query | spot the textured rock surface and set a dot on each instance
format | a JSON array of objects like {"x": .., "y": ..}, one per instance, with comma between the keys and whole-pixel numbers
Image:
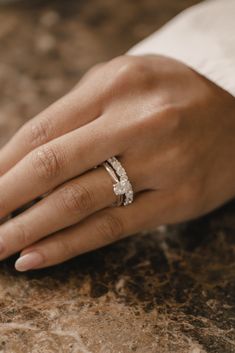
[{"x": 169, "y": 291}]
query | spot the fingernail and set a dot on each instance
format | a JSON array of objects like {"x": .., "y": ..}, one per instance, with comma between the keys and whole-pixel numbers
[{"x": 28, "y": 261}]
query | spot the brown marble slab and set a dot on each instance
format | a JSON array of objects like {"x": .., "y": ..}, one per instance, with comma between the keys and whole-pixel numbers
[{"x": 168, "y": 291}]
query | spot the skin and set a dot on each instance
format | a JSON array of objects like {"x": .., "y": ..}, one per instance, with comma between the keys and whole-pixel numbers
[{"x": 172, "y": 130}]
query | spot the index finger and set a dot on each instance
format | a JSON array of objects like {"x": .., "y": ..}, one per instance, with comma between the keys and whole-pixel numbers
[{"x": 78, "y": 107}]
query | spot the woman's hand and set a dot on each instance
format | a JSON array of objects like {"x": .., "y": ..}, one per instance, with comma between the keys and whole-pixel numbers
[{"x": 172, "y": 130}]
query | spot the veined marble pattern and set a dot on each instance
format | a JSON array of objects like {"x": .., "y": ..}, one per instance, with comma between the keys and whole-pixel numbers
[{"x": 171, "y": 291}]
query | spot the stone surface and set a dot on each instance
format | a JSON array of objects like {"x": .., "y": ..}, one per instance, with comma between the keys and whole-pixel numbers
[{"x": 171, "y": 290}]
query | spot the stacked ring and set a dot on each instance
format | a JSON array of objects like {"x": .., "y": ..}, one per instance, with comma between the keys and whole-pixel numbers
[{"x": 122, "y": 186}]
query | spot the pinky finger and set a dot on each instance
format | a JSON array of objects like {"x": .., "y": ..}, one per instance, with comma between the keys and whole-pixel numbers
[{"x": 98, "y": 230}]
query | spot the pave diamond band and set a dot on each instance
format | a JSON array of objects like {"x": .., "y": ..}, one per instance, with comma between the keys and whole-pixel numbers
[
  {"x": 122, "y": 187},
  {"x": 113, "y": 175}
]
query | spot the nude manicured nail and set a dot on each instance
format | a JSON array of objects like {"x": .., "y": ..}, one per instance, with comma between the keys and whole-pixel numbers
[{"x": 29, "y": 261}]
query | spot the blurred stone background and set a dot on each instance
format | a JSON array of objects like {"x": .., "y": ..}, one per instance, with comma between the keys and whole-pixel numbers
[
  {"x": 166, "y": 292},
  {"x": 46, "y": 46}
]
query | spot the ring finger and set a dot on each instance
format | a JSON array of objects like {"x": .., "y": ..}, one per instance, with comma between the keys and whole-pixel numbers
[{"x": 65, "y": 206}]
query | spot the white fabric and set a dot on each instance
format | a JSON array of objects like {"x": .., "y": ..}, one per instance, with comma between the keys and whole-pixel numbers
[{"x": 203, "y": 37}]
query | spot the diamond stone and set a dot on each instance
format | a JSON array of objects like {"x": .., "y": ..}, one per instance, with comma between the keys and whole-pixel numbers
[{"x": 122, "y": 187}]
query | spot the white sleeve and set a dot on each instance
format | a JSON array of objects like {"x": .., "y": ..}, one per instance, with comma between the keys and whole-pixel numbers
[{"x": 202, "y": 37}]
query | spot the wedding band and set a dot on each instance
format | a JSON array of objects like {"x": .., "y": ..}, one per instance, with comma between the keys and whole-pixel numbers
[
  {"x": 111, "y": 172},
  {"x": 122, "y": 187}
]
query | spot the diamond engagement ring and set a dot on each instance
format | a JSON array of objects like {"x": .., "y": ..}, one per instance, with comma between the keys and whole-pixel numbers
[{"x": 122, "y": 186}]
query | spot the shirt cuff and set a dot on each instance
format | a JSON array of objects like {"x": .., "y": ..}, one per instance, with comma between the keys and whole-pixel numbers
[{"x": 202, "y": 37}]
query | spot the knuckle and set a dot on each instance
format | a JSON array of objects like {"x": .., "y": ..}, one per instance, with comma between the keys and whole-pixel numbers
[
  {"x": 66, "y": 248},
  {"x": 130, "y": 69},
  {"x": 3, "y": 209},
  {"x": 76, "y": 198},
  {"x": 96, "y": 68},
  {"x": 177, "y": 118},
  {"x": 126, "y": 61},
  {"x": 21, "y": 233},
  {"x": 110, "y": 228},
  {"x": 172, "y": 117},
  {"x": 41, "y": 132},
  {"x": 169, "y": 120},
  {"x": 46, "y": 162},
  {"x": 89, "y": 75}
]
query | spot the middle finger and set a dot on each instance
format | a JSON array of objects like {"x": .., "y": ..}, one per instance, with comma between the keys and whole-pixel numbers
[{"x": 55, "y": 162}]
